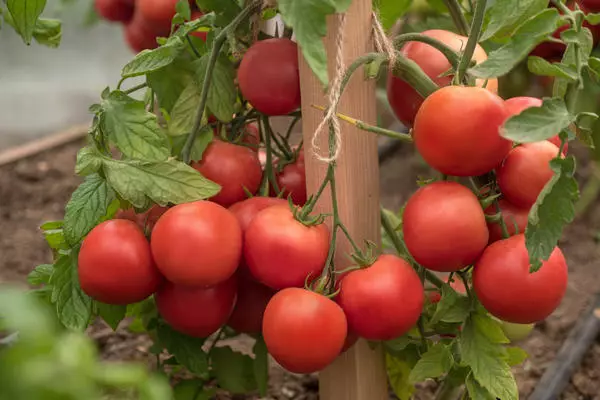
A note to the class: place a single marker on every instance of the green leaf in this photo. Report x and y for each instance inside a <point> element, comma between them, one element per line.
<point>88,204</point>
<point>155,59</point>
<point>48,32</point>
<point>476,391</point>
<point>183,8</point>
<point>111,314</point>
<point>554,208</point>
<point>25,14</point>
<point>398,371</point>
<point>307,18</point>
<point>73,306</point>
<point>88,161</point>
<point>168,82</point>
<point>226,10</point>
<point>261,366</point>
<point>186,349</point>
<point>40,275</point>
<point>134,130</point>
<point>480,344</point>
<point>162,183</point>
<point>396,346</point>
<point>452,308</point>
<point>516,356</point>
<point>222,92</point>
<point>593,18</point>
<point>525,38</point>
<point>391,10</point>
<point>436,362</point>
<point>192,389</point>
<point>184,111</point>
<point>538,123</point>
<point>234,371</point>
<point>504,16</point>
<point>539,66</point>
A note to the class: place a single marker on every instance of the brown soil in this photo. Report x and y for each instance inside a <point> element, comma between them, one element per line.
<point>35,190</point>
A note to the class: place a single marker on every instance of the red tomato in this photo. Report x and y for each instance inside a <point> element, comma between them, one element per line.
<point>233,167</point>
<point>591,5</point>
<point>351,339</point>
<point>404,100</point>
<point>251,302</point>
<point>140,35</point>
<point>199,311</point>
<point>197,244</point>
<point>246,210</point>
<point>525,172</point>
<point>282,252</point>
<point>159,12</point>
<point>195,15</point>
<point>292,181</point>
<point>518,104</point>
<point>505,287</point>
<point>114,10</point>
<point>143,220</point>
<point>269,78</point>
<point>115,264</point>
<point>457,284</point>
<point>511,215</point>
<point>382,301</point>
<point>457,131</point>
<point>304,331</point>
<point>444,226</point>
<point>251,136</point>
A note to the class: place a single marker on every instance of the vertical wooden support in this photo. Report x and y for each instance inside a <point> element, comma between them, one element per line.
<point>359,374</point>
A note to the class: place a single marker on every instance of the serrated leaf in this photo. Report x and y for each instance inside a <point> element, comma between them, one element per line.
<point>88,204</point>
<point>515,356</point>
<point>487,358</point>
<point>398,371</point>
<point>134,130</point>
<point>538,123</point>
<point>73,306</point>
<point>539,66</point>
<point>222,92</point>
<point>162,183</point>
<point>48,32</point>
<point>111,314</point>
<point>56,239</point>
<point>307,18</point>
<point>437,361</point>
<point>234,371</point>
<point>476,391</point>
<point>261,366</point>
<point>88,161</point>
<point>155,59</point>
<point>504,16</point>
<point>186,349</point>
<point>25,14</point>
<point>554,208</point>
<point>525,38</point>
<point>185,109</point>
<point>391,10</point>
<point>168,82</point>
<point>452,308</point>
<point>40,275</point>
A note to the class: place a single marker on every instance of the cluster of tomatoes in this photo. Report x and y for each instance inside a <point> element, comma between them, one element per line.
<point>457,131</point>
<point>144,20</point>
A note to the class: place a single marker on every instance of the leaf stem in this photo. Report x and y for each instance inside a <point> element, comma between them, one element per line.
<point>214,55</point>
<point>457,16</point>
<point>474,34</point>
<point>452,56</point>
<point>194,49</point>
<point>135,88</point>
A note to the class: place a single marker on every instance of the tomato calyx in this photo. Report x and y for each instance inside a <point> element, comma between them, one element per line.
<point>303,214</point>
<point>323,285</point>
<point>489,200</point>
<point>365,259</point>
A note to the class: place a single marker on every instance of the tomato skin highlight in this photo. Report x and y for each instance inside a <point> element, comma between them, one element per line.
<point>281,252</point>
<point>511,214</point>
<point>199,311</point>
<point>525,172</point>
<point>404,100</point>
<point>457,131</point>
<point>382,301</point>
<point>197,244</point>
<point>115,264</point>
<point>437,212</point>
<point>114,10</point>
<point>233,167</point>
<point>269,76</point>
<point>304,331</point>
<point>503,284</point>
<point>252,300</point>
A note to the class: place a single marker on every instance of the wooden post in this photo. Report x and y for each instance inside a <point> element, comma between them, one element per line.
<point>358,374</point>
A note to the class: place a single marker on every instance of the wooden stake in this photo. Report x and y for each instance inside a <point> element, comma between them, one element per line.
<point>359,374</point>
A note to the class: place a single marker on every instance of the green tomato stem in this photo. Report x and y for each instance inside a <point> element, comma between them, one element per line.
<point>457,16</point>
<point>192,47</point>
<point>452,56</point>
<point>135,88</point>
<point>474,34</point>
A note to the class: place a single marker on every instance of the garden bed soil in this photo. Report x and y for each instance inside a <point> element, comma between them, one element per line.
<point>36,189</point>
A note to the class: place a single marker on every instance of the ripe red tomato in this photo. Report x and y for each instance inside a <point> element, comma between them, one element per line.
<point>251,136</point>
<point>505,287</point>
<point>525,172</point>
<point>518,104</point>
<point>404,100</point>
<point>269,78</point>
<point>457,131</point>
<point>233,167</point>
<point>282,252</point>
<point>511,215</point>
<point>444,226</point>
<point>115,264</point>
<point>292,181</point>
<point>351,339</point>
<point>246,210</point>
<point>144,220</point>
<point>382,301</point>
<point>195,15</point>
<point>591,5</point>
<point>140,34</point>
<point>114,10</point>
<point>197,244</point>
<point>196,311</point>
<point>251,302</point>
<point>304,331</point>
<point>159,12</point>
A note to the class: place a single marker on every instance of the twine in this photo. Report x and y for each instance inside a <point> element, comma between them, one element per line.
<point>383,44</point>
